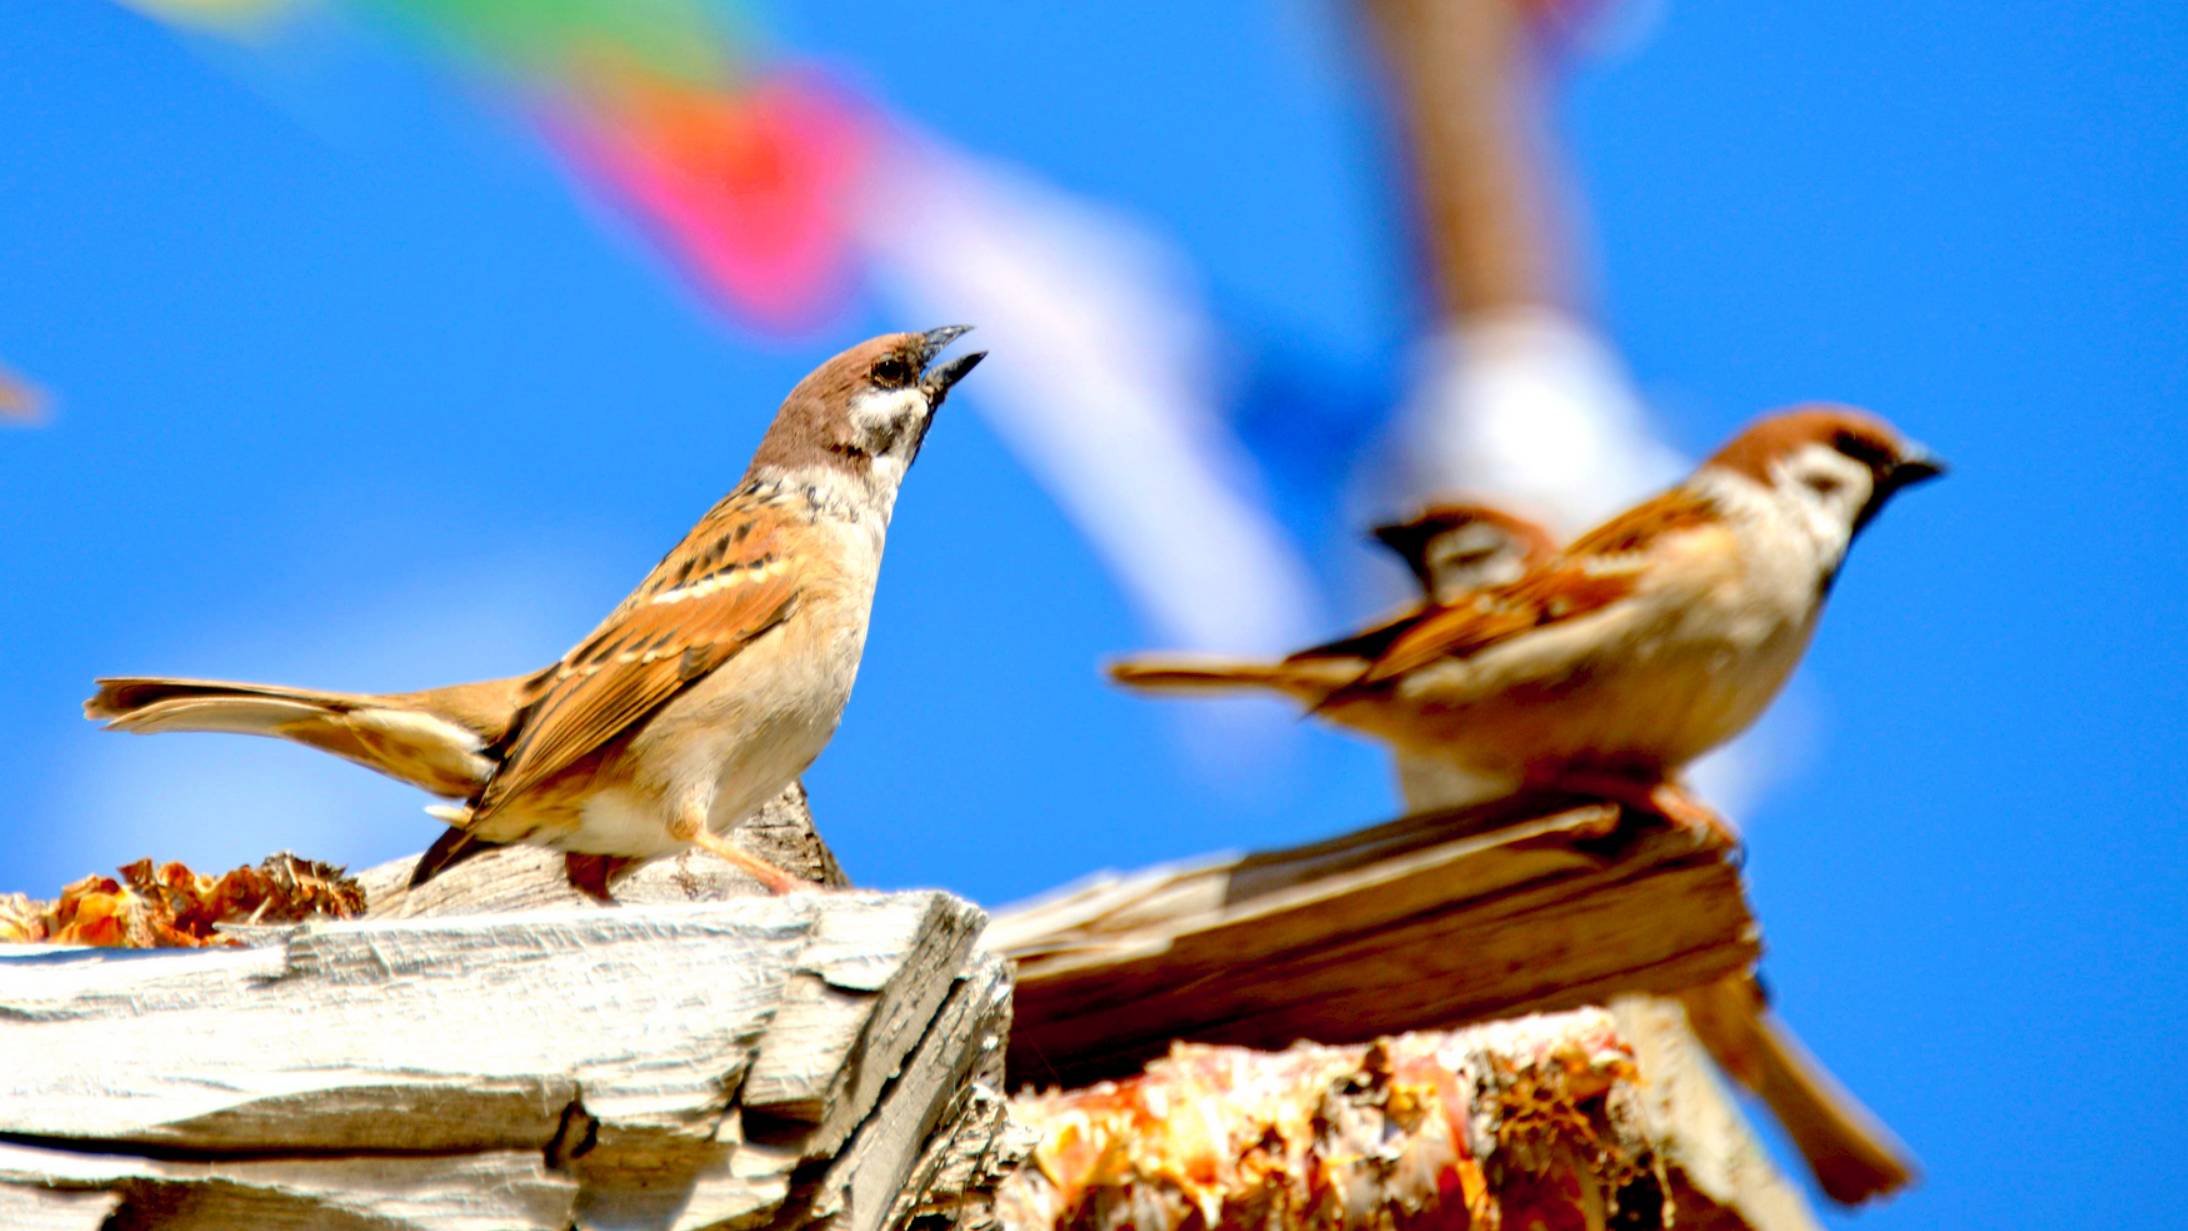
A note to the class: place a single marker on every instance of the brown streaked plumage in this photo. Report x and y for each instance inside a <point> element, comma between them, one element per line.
<point>699,697</point>
<point>1453,549</point>
<point>1643,644</point>
<point>1450,548</point>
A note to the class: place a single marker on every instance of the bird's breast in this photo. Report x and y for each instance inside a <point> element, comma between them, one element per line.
<point>1653,683</point>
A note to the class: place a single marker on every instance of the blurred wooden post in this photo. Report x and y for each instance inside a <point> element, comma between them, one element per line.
<point>20,401</point>
<point>1466,74</point>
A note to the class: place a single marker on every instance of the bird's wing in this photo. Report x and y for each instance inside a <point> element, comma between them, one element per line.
<point>725,586</point>
<point>1599,569</point>
<point>1366,644</point>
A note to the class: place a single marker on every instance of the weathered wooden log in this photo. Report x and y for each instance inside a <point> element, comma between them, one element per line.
<point>1721,1177</point>
<point>834,1059</point>
<point>1428,921</point>
<point>784,1061</point>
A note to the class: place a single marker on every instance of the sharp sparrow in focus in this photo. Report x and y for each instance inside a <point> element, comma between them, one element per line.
<point>703,694</point>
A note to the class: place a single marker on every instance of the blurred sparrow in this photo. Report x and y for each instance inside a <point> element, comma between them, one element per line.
<point>701,696</point>
<point>1456,548</point>
<point>1642,645</point>
<point>1452,549</point>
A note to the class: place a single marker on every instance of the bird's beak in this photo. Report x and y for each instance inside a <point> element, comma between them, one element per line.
<point>1918,466</point>
<point>932,342</point>
<point>938,380</point>
<point>1915,465</point>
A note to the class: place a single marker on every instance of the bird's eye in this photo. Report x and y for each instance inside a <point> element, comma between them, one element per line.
<point>1823,484</point>
<point>892,372</point>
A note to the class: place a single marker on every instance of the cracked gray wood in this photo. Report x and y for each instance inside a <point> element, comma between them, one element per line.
<point>679,1065</point>
<point>949,1085</point>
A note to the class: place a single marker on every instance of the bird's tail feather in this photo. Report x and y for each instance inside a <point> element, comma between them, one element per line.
<point>434,740</point>
<point>1308,680</point>
<point>1853,1156</point>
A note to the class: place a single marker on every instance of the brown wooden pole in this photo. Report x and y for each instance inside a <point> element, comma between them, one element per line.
<point>1469,97</point>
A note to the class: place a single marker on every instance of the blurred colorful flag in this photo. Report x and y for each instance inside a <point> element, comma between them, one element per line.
<point>21,401</point>
<point>784,195</point>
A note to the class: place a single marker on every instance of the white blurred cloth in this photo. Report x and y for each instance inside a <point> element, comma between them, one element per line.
<point>1102,380</point>
<point>1530,408</point>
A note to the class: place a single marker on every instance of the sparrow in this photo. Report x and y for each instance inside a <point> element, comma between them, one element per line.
<point>700,696</point>
<point>1646,642</point>
<point>1453,549</point>
<point>1450,549</point>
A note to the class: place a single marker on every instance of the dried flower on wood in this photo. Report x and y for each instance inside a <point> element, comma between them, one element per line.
<point>1511,1124</point>
<point>171,907</point>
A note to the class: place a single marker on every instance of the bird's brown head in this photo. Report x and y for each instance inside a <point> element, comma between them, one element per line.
<point>867,410</point>
<point>1835,461</point>
<point>1456,547</point>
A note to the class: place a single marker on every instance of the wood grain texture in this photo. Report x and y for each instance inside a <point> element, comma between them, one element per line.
<point>685,1065</point>
<point>1429,921</point>
<point>945,1097</point>
<point>499,1191</point>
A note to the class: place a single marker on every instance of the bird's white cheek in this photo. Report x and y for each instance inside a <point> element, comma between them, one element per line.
<point>886,416</point>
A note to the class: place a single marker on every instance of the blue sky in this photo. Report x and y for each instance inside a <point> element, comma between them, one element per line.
<point>355,392</point>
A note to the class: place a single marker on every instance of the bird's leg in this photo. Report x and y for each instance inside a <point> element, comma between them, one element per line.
<point>1677,804</point>
<point>590,874</point>
<point>692,828</point>
<point>1661,796</point>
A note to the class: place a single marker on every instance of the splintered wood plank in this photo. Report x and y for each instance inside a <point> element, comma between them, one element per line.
<point>497,1191</point>
<point>1430,920</point>
<point>670,1066</point>
<point>824,1066</point>
<point>420,1034</point>
<point>865,1188</point>
<point>33,1206</point>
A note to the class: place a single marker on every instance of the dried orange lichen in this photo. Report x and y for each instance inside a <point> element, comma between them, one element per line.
<point>1499,1125</point>
<point>171,907</point>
